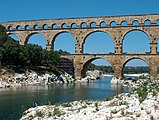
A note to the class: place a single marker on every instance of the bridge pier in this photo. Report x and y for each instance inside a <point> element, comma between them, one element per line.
<point>118,72</point>
<point>153,72</point>
<point>78,66</point>
<point>153,48</point>
<point>48,47</point>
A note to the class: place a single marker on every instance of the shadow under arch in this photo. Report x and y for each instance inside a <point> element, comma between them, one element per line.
<point>63,42</point>
<point>141,32</point>
<point>139,60</point>
<point>66,65</point>
<point>86,64</point>
<point>105,34</point>
<point>39,39</point>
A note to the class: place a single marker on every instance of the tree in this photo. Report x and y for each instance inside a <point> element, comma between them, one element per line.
<point>17,57</point>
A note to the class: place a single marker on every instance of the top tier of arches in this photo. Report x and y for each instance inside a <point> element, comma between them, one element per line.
<point>78,23</point>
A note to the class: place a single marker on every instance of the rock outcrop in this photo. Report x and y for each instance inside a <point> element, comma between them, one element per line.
<point>93,75</point>
<point>115,81</point>
<point>30,78</point>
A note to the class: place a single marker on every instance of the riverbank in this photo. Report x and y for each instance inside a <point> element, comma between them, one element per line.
<point>8,79</point>
<point>141,104</point>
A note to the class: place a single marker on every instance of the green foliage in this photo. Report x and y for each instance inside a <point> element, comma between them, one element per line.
<point>108,98</point>
<point>39,114</point>
<point>114,111</point>
<point>57,112</point>
<point>105,69</point>
<point>66,105</point>
<point>135,70</point>
<point>126,70</point>
<point>142,92</point>
<point>147,87</point>
<point>21,58</point>
<point>84,106</point>
<point>63,52</point>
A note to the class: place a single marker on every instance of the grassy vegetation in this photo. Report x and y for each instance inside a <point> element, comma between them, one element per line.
<point>57,112</point>
<point>146,87</point>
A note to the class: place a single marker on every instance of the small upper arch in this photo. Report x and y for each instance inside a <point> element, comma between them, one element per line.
<point>36,27</point>
<point>83,25</point>
<point>27,27</point>
<point>103,24</point>
<point>19,27</point>
<point>45,26</point>
<point>73,25</point>
<point>64,25</point>
<point>93,24</point>
<point>124,23</point>
<point>113,24</point>
<point>54,26</point>
<point>135,23</point>
<point>10,28</point>
<point>147,22</point>
<point>157,22</point>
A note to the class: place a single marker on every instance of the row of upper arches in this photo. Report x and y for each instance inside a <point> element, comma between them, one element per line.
<point>82,25</point>
<point>96,42</point>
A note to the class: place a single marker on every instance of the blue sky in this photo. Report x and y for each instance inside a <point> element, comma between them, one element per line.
<point>12,10</point>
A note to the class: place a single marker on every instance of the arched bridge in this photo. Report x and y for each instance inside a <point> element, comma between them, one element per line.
<point>116,26</point>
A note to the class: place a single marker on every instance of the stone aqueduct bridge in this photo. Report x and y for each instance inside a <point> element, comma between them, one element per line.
<point>116,26</point>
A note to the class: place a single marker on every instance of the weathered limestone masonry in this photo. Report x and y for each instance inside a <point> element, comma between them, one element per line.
<point>80,28</point>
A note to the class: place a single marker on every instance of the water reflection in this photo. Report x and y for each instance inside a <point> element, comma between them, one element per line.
<point>117,88</point>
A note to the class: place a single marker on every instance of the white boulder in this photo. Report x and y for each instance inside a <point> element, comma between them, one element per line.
<point>115,81</point>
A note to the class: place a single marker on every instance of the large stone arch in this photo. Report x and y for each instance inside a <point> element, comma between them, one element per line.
<point>34,33</point>
<point>61,32</point>
<point>88,33</point>
<point>146,60</point>
<point>134,30</point>
<point>133,58</point>
<point>15,35</point>
<point>31,34</point>
<point>87,62</point>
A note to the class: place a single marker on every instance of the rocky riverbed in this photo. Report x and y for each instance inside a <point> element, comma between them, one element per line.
<point>141,104</point>
<point>8,79</point>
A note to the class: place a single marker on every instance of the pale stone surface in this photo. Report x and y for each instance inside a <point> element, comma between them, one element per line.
<point>31,78</point>
<point>115,81</point>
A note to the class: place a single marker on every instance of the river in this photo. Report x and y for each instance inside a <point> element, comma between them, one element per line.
<point>13,101</point>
